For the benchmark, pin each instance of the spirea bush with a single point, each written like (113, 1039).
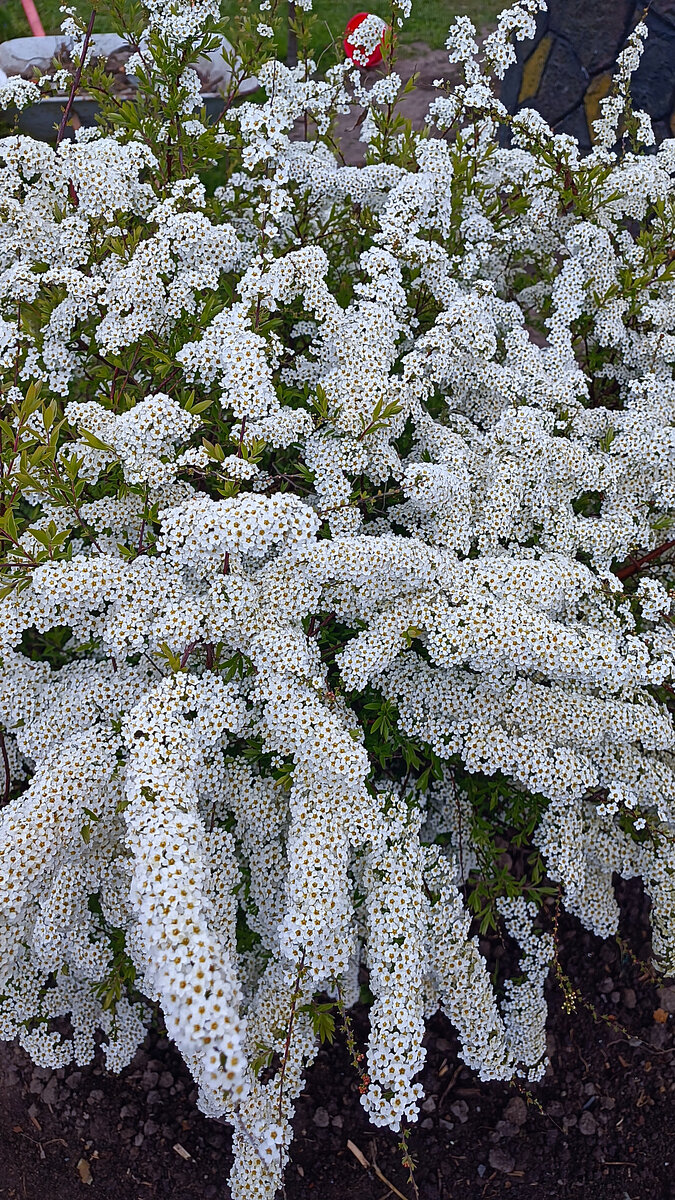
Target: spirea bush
(335, 512)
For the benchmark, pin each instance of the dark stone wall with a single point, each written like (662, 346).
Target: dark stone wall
(566, 70)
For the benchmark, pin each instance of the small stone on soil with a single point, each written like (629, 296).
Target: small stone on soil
(460, 1109)
(587, 1124)
(501, 1160)
(516, 1111)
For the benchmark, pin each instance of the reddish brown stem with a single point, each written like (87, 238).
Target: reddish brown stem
(634, 567)
(76, 79)
(8, 774)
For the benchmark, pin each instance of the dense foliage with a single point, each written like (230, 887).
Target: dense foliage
(334, 512)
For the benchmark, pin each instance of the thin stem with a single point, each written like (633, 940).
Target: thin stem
(634, 567)
(297, 992)
(76, 79)
(8, 774)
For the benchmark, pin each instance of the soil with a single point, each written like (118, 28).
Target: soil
(597, 1127)
(418, 60)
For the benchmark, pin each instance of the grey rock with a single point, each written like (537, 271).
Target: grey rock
(460, 1109)
(595, 30)
(506, 1129)
(501, 1160)
(427, 1123)
(50, 1093)
(321, 1118)
(21, 56)
(587, 1124)
(429, 1105)
(666, 997)
(629, 998)
(658, 1036)
(516, 1111)
(215, 71)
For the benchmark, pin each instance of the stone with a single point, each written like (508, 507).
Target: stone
(215, 71)
(516, 1111)
(21, 56)
(321, 1118)
(506, 1129)
(501, 1160)
(563, 83)
(666, 997)
(587, 1124)
(658, 1036)
(630, 999)
(460, 1109)
(653, 82)
(429, 1104)
(596, 31)
(50, 1093)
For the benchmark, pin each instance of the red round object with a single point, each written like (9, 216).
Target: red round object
(353, 24)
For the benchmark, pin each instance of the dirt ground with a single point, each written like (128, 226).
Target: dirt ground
(598, 1127)
(416, 59)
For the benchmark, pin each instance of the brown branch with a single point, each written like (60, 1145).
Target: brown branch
(8, 774)
(76, 79)
(297, 993)
(634, 567)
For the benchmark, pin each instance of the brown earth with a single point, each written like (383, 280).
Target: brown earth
(598, 1127)
(416, 59)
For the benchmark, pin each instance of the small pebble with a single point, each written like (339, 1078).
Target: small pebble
(321, 1118)
(666, 997)
(501, 1160)
(587, 1124)
(516, 1111)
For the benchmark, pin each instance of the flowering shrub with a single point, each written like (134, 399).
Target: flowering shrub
(335, 504)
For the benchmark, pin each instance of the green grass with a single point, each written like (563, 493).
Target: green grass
(428, 23)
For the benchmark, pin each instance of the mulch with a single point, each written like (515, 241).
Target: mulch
(597, 1127)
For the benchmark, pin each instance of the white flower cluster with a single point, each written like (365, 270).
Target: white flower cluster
(344, 488)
